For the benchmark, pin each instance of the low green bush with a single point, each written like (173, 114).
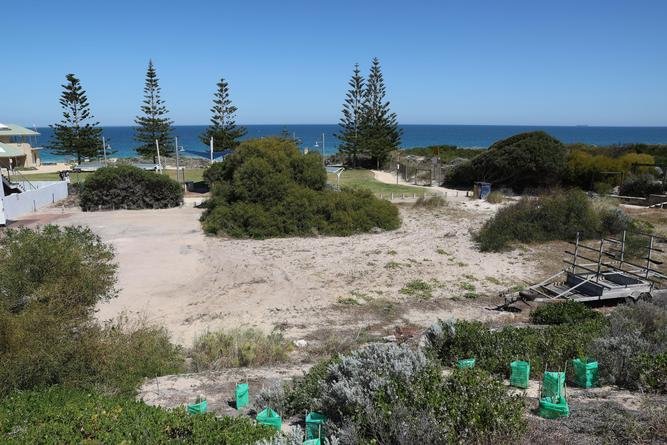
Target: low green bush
(51, 279)
(634, 353)
(641, 186)
(384, 393)
(59, 415)
(299, 395)
(39, 349)
(495, 197)
(432, 202)
(239, 347)
(129, 187)
(267, 188)
(494, 350)
(67, 270)
(557, 216)
(568, 312)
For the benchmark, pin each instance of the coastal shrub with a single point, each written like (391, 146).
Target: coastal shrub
(432, 202)
(532, 159)
(634, 353)
(60, 415)
(267, 188)
(568, 312)
(556, 216)
(129, 187)
(641, 186)
(384, 393)
(51, 279)
(237, 348)
(39, 349)
(300, 394)
(494, 350)
(601, 168)
(495, 197)
(67, 270)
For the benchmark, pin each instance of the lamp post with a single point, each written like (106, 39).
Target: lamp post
(317, 145)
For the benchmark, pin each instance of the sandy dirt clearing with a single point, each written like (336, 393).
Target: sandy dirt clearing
(171, 273)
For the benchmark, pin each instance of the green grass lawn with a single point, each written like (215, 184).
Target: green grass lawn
(191, 174)
(359, 178)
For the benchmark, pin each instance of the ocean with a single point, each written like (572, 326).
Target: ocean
(310, 136)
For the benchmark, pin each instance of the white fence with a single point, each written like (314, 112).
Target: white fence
(21, 204)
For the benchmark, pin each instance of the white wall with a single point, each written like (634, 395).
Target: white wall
(21, 204)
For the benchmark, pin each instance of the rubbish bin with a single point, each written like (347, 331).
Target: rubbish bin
(481, 189)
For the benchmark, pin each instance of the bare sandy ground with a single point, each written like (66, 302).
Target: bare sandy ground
(171, 273)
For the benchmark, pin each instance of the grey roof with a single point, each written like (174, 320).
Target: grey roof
(15, 130)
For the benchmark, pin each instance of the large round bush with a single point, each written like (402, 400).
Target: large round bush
(532, 159)
(267, 188)
(128, 187)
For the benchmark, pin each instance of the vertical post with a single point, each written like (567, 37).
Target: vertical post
(648, 257)
(323, 161)
(620, 265)
(211, 149)
(104, 150)
(597, 276)
(178, 165)
(576, 252)
(157, 146)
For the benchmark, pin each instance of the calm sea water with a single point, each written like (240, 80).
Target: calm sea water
(470, 136)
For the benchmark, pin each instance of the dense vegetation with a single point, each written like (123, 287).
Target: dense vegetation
(66, 379)
(536, 161)
(50, 281)
(634, 352)
(267, 188)
(129, 187)
(59, 415)
(555, 216)
(567, 312)
(384, 393)
(630, 345)
(525, 160)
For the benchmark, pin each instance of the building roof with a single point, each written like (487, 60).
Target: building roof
(15, 130)
(7, 151)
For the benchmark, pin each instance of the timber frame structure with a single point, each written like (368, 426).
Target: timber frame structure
(602, 272)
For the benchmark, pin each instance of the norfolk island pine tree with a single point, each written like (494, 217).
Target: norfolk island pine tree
(153, 124)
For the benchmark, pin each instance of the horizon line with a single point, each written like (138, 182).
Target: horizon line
(407, 124)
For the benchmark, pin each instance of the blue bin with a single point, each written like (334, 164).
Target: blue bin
(482, 189)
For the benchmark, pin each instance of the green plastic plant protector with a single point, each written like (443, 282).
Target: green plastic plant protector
(242, 395)
(551, 408)
(585, 373)
(312, 442)
(197, 408)
(553, 384)
(315, 425)
(270, 418)
(466, 363)
(520, 374)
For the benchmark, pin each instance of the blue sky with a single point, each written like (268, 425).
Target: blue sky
(445, 62)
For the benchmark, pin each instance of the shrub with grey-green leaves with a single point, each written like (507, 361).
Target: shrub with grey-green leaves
(384, 393)
(295, 436)
(633, 354)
